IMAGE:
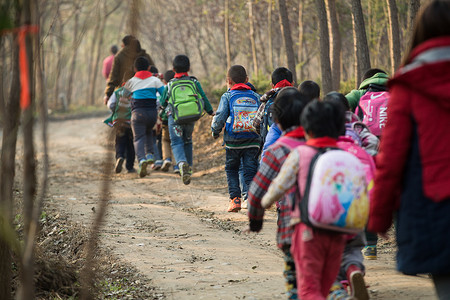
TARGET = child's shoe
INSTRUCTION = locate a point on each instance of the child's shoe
(119, 164)
(357, 285)
(133, 170)
(370, 252)
(142, 170)
(149, 158)
(244, 204)
(166, 165)
(337, 292)
(185, 172)
(157, 165)
(235, 205)
(176, 169)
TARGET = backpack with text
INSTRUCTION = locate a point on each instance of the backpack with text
(335, 195)
(372, 108)
(185, 100)
(243, 107)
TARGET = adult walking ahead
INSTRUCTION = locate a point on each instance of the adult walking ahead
(123, 62)
(413, 175)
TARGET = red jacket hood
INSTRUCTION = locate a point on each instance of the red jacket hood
(430, 78)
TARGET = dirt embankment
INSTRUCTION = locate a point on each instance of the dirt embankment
(180, 237)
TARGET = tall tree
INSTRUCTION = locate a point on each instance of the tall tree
(288, 44)
(413, 8)
(227, 33)
(300, 37)
(360, 41)
(269, 33)
(252, 36)
(394, 33)
(335, 35)
(325, 66)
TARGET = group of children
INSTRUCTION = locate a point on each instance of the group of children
(265, 139)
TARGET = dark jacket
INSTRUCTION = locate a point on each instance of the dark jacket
(123, 67)
(413, 166)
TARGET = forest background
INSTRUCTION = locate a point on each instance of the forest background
(51, 54)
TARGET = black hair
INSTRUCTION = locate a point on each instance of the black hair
(310, 89)
(237, 74)
(371, 72)
(141, 63)
(280, 74)
(181, 63)
(288, 106)
(337, 98)
(323, 119)
(153, 69)
(127, 39)
(168, 75)
(114, 49)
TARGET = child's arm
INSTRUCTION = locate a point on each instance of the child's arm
(208, 106)
(222, 114)
(164, 96)
(284, 180)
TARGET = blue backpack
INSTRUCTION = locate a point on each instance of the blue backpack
(243, 107)
(267, 119)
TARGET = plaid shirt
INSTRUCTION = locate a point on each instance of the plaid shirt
(268, 170)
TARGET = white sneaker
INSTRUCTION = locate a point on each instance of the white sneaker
(244, 204)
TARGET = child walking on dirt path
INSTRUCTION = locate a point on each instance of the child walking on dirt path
(317, 253)
(166, 149)
(144, 88)
(186, 100)
(236, 109)
(287, 108)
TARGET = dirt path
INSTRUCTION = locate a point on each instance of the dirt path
(181, 236)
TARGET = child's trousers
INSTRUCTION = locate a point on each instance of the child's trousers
(142, 122)
(317, 255)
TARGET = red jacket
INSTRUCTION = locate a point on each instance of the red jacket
(419, 107)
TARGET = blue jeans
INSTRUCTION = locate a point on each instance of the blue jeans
(124, 144)
(181, 141)
(242, 185)
(157, 145)
(233, 158)
(142, 122)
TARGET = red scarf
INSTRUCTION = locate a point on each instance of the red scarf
(322, 142)
(240, 86)
(179, 75)
(143, 74)
(297, 133)
(281, 84)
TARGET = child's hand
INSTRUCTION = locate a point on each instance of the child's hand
(105, 99)
(215, 135)
(212, 114)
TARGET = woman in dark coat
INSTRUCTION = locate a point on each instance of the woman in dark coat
(413, 167)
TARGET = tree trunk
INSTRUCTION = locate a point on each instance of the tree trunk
(227, 34)
(8, 162)
(335, 35)
(300, 38)
(269, 33)
(413, 8)
(394, 41)
(288, 44)
(252, 37)
(91, 56)
(133, 17)
(75, 45)
(94, 74)
(360, 41)
(325, 66)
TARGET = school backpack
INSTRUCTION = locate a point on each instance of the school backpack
(372, 108)
(335, 194)
(185, 100)
(243, 106)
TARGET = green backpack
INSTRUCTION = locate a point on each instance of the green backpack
(185, 101)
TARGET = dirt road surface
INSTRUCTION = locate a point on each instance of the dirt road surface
(181, 237)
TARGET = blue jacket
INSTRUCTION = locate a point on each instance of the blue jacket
(223, 116)
(272, 136)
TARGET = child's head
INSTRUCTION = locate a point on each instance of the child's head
(113, 49)
(310, 89)
(323, 119)
(141, 64)
(181, 64)
(337, 98)
(280, 74)
(127, 40)
(153, 69)
(287, 107)
(168, 75)
(236, 74)
(371, 72)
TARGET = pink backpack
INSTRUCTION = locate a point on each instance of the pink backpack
(334, 194)
(372, 109)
